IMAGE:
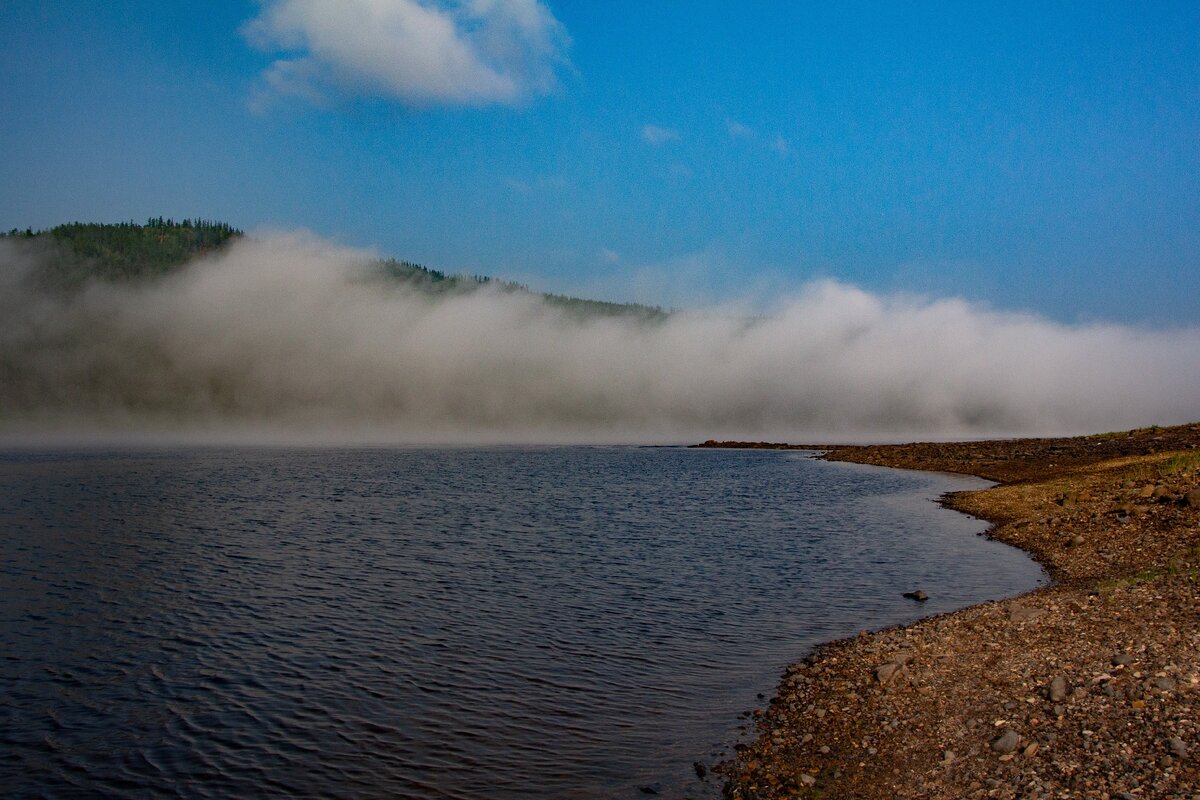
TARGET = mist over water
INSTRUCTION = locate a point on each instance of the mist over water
(289, 337)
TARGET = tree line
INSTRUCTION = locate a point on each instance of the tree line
(122, 251)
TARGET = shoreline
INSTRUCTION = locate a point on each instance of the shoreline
(1087, 687)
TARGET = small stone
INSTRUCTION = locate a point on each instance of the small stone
(1122, 660)
(701, 770)
(885, 672)
(1057, 692)
(1192, 498)
(1076, 540)
(825, 749)
(1024, 613)
(1177, 747)
(806, 779)
(948, 757)
(1030, 750)
(1006, 742)
(1164, 684)
(918, 595)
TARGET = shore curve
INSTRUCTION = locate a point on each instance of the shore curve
(1088, 687)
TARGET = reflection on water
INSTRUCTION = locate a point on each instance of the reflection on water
(559, 622)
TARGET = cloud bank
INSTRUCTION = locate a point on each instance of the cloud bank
(290, 338)
(469, 52)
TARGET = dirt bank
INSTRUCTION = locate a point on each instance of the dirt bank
(1087, 688)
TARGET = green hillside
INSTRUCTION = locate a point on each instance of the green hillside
(126, 251)
(78, 251)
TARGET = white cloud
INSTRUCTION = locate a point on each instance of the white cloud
(655, 135)
(459, 52)
(737, 130)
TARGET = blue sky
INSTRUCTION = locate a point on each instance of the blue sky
(1041, 157)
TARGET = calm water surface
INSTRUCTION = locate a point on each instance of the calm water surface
(559, 622)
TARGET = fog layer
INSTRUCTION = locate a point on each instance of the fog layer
(290, 338)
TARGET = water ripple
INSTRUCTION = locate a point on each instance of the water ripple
(559, 622)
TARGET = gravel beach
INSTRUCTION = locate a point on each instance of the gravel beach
(1089, 687)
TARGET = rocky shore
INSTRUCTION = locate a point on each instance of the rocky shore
(1087, 688)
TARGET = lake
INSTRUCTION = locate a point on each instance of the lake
(567, 622)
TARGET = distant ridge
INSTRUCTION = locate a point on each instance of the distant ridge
(120, 251)
(127, 251)
(733, 445)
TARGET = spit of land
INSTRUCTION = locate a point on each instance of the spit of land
(1089, 687)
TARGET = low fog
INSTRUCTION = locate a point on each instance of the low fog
(289, 338)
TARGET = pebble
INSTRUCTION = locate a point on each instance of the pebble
(1006, 742)
(1122, 660)
(1177, 747)
(1058, 689)
(885, 672)
(1024, 613)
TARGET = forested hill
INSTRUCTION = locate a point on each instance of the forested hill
(124, 251)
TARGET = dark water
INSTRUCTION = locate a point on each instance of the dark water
(561, 622)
